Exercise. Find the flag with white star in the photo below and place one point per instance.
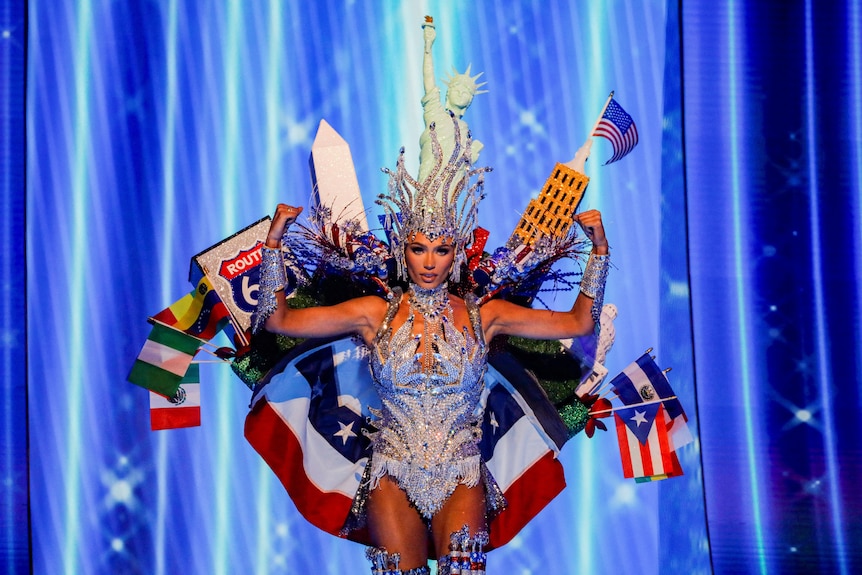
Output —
(652, 425)
(644, 381)
(522, 435)
(644, 444)
(307, 423)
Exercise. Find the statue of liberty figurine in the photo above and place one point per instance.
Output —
(461, 88)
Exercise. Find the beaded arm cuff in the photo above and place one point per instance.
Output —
(271, 281)
(593, 282)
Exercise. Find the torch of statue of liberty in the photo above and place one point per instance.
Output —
(461, 88)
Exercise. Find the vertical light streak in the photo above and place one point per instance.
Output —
(14, 410)
(596, 70)
(232, 86)
(233, 147)
(642, 96)
(6, 277)
(168, 227)
(855, 75)
(735, 24)
(263, 538)
(406, 53)
(273, 109)
(824, 370)
(76, 288)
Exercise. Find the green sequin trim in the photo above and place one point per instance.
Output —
(559, 373)
(268, 348)
(575, 416)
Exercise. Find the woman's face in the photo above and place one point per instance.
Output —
(429, 263)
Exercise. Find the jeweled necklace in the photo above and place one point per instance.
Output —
(431, 303)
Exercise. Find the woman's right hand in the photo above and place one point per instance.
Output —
(284, 216)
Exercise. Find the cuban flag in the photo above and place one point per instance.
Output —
(522, 435)
(306, 421)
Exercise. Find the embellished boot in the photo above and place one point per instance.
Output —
(466, 554)
(385, 563)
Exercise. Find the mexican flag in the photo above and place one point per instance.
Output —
(164, 360)
(183, 409)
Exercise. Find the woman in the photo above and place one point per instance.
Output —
(428, 356)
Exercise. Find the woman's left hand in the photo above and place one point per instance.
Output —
(591, 222)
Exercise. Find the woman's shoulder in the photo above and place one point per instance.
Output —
(456, 300)
(372, 301)
(491, 305)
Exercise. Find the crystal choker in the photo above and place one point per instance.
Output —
(429, 302)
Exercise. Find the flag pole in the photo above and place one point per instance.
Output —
(230, 316)
(214, 354)
(577, 163)
(602, 113)
(154, 321)
(621, 407)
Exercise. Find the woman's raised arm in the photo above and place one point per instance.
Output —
(500, 317)
(361, 316)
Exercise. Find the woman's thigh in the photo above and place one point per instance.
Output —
(466, 506)
(396, 525)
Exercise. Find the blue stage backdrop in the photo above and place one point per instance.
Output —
(14, 520)
(156, 129)
(773, 141)
(159, 128)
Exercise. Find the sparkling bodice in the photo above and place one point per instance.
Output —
(428, 425)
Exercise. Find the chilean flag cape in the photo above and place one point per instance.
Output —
(307, 417)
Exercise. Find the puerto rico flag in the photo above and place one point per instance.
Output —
(306, 422)
(643, 380)
(307, 417)
(644, 444)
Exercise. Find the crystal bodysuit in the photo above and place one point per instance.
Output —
(429, 385)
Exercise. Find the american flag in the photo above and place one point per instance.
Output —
(618, 127)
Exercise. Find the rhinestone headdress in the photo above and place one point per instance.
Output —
(444, 205)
